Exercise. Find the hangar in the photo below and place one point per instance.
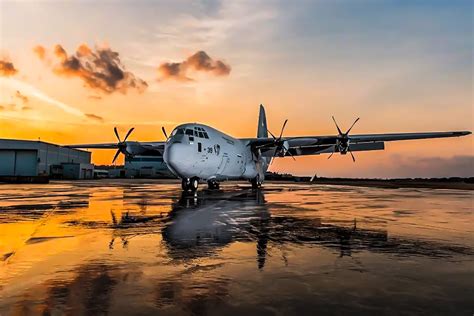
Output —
(26, 158)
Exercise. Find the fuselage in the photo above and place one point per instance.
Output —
(197, 150)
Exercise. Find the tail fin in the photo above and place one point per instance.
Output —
(262, 131)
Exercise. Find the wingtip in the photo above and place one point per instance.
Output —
(463, 133)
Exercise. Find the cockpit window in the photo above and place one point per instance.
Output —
(177, 131)
(196, 131)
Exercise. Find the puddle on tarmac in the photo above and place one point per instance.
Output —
(137, 247)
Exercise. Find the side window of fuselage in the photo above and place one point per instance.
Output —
(199, 147)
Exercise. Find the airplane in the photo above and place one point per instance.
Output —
(196, 152)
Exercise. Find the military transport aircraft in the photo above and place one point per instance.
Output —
(196, 152)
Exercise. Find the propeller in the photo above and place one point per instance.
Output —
(282, 146)
(342, 143)
(122, 145)
(164, 132)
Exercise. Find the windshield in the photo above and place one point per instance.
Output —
(177, 131)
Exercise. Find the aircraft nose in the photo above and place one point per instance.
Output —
(175, 157)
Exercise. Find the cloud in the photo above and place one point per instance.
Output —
(456, 166)
(199, 62)
(7, 107)
(32, 91)
(224, 23)
(94, 117)
(40, 51)
(401, 166)
(26, 108)
(7, 68)
(22, 97)
(100, 69)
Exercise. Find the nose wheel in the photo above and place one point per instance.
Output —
(190, 184)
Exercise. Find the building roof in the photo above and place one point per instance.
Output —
(33, 143)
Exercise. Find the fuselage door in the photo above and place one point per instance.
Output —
(223, 164)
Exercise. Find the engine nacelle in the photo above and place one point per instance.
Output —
(342, 146)
(133, 149)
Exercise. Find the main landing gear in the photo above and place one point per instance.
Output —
(213, 185)
(190, 184)
(256, 182)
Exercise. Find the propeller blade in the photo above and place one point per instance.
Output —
(289, 153)
(271, 133)
(164, 132)
(337, 126)
(282, 129)
(117, 134)
(352, 125)
(116, 156)
(353, 158)
(128, 134)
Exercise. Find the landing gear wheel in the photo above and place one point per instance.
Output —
(213, 185)
(185, 184)
(193, 184)
(256, 183)
(190, 184)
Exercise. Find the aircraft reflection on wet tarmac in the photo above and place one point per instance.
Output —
(212, 244)
(200, 224)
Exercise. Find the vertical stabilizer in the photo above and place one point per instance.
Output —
(262, 131)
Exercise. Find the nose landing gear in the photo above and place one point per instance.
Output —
(190, 184)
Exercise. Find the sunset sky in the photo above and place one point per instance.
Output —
(402, 66)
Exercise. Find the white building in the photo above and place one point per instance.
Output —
(36, 158)
(146, 167)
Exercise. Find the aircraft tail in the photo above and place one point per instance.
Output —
(262, 131)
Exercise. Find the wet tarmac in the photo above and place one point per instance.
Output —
(141, 247)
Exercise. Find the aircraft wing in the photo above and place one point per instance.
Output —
(95, 146)
(404, 136)
(132, 147)
(315, 145)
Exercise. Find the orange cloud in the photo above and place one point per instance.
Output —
(200, 61)
(40, 51)
(22, 97)
(7, 107)
(100, 69)
(95, 117)
(7, 68)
